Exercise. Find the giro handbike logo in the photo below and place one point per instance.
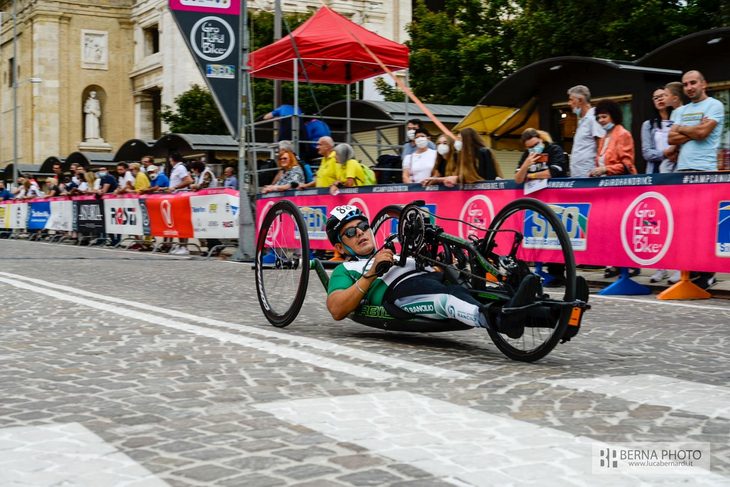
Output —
(477, 211)
(647, 228)
(212, 38)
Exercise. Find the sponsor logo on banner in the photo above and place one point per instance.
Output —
(539, 234)
(478, 211)
(358, 202)
(647, 228)
(315, 219)
(217, 4)
(722, 248)
(166, 212)
(61, 216)
(209, 214)
(213, 208)
(198, 209)
(221, 71)
(4, 220)
(39, 213)
(123, 216)
(170, 216)
(212, 38)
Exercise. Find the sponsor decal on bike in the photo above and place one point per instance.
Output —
(539, 234)
(371, 311)
(647, 228)
(478, 211)
(418, 308)
(722, 247)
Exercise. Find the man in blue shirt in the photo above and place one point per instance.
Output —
(410, 146)
(107, 182)
(285, 110)
(696, 130)
(4, 193)
(231, 182)
(158, 180)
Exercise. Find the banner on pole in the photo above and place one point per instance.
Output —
(211, 32)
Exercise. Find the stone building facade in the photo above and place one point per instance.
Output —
(130, 53)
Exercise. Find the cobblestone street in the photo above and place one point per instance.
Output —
(125, 369)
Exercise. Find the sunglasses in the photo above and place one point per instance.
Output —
(352, 231)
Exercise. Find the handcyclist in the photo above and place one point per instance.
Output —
(417, 292)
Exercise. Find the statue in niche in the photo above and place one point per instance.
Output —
(92, 111)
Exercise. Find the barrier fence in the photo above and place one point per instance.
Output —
(666, 221)
(211, 213)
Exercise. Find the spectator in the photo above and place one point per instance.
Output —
(445, 160)
(65, 186)
(473, 150)
(316, 129)
(204, 177)
(126, 180)
(587, 135)
(449, 170)
(158, 181)
(327, 173)
(616, 148)
(419, 165)
(230, 182)
(52, 188)
(4, 193)
(141, 181)
(57, 170)
(615, 154)
(655, 137)
(73, 168)
(85, 181)
(285, 125)
(697, 129)
(410, 146)
(542, 158)
(179, 175)
(351, 172)
(107, 183)
(289, 145)
(290, 176)
(147, 161)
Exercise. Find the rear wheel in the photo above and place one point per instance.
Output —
(524, 233)
(282, 263)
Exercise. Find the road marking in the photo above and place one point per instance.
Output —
(694, 397)
(334, 348)
(270, 347)
(459, 444)
(662, 303)
(66, 454)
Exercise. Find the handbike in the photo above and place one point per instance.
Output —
(491, 263)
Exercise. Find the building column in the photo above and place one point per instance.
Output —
(144, 117)
(42, 115)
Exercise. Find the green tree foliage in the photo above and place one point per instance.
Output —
(388, 91)
(262, 34)
(195, 112)
(459, 54)
(616, 29)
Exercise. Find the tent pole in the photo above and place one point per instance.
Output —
(277, 36)
(348, 137)
(407, 85)
(295, 117)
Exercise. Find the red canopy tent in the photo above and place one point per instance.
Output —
(329, 52)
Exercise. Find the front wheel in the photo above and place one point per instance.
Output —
(528, 236)
(282, 263)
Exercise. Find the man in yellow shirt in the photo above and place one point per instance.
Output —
(141, 181)
(328, 171)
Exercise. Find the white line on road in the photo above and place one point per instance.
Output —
(334, 348)
(269, 347)
(694, 397)
(462, 445)
(662, 303)
(66, 454)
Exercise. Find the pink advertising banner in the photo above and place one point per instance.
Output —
(642, 221)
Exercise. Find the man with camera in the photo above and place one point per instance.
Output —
(542, 159)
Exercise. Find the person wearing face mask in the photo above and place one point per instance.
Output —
(107, 182)
(542, 160)
(616, 148)
(587, 134)
(419, 164)
(410, 146)
(472, 152)
(655, 137)
(158, 181)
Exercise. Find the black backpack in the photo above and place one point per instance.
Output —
(394, 169)
(266, 177)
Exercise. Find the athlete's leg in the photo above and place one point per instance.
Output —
(426, 296)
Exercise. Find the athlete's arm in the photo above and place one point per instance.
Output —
(342, 302)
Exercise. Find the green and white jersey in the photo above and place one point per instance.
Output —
(346, 274)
